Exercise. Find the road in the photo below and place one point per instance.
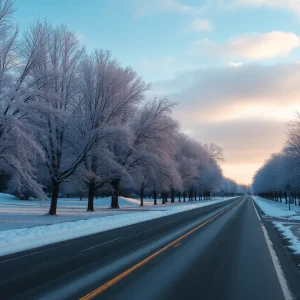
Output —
(215, 252)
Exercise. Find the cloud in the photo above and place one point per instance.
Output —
(292, 5)
(235, 64)
(253, 46)
(174, 6)
(201, 25)
(242, 109)
(250, 87)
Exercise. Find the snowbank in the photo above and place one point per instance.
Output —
(280, 210)
(288, 234)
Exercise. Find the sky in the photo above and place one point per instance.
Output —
(232, 66)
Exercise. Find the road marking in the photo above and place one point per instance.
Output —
(119, 277)
(172, 221)
(101, 244)
(44, 263)
(256, 211)
(81, 239)
(279, 272)
(283, 283)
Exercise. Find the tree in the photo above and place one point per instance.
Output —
(110, 94)
(18, 148)
(57, 105)
(149, 134)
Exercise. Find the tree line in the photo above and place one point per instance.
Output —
(71, 116)
(279, 177)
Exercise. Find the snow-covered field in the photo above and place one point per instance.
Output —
(10, 200)
(285, 220)
(15, 213)
(73, 221)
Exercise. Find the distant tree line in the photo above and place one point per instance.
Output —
(279, 178)
(82, 122)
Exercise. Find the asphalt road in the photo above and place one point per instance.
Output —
(215, 252)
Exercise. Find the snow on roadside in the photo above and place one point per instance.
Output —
(16, 240)
(288, 234)
(280, 210)
(273, 209)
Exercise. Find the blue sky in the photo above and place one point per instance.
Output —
(136, 35)
(233, 66)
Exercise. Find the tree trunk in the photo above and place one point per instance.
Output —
(155, 197)
(179, 196)
(91, 197)
(184, 196)
(142, 196)
(172, 196)
(163, 199)
(53, 206)
(115, 194)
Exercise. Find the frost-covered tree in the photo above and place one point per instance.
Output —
(109, 96)
(18, 148)
(149, 134)
(198, 166)
(56, 117)
(281, 171)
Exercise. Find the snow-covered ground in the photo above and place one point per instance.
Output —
(287, 232)
(278, 209)
(73, 221)
(10, 200)
(285, 220)
(15, 213)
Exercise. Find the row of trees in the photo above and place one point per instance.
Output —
(279, 177)
(66, 115)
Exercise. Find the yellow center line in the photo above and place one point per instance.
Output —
(110, 283)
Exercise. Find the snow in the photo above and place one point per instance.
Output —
(14, 240)
(288, 234)
(283, 218)
(276, 209)
(6, 199)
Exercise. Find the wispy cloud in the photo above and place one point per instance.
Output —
(292, 5)
(201, 25)
(253, 46)
(145, 7)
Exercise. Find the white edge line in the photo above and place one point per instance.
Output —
(283, 283)
(279, 272)
(44, 263)
(101, 244)
(256, 211)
